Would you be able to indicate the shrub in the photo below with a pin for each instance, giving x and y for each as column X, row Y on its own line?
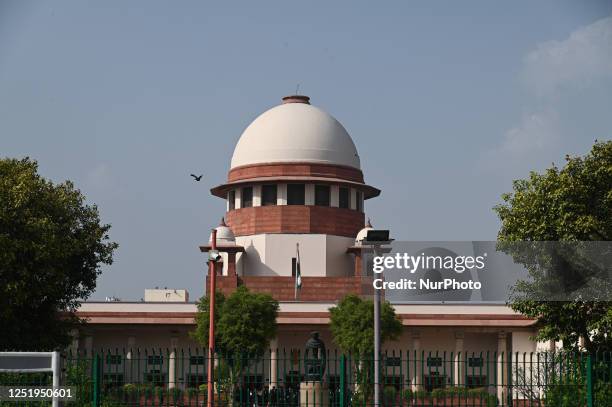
column 389, row 395
column 175, row 394
column 192, row 392
column 421, row 395
column 458, row 391
column 439, row 394
column 130, row 388
column 407, row 394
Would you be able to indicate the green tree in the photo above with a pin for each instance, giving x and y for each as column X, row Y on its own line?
column 352, row 324
column 245, row 322
column 573, row 203
column 52, row 246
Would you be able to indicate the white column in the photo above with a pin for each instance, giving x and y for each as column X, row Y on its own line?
column 131, row 342
column 353, row 199
column 459, row 363
column 502, row 360
column 334, row 199
column 89, row 345
column 281, row 197
column 310, row 194
column 74, row 344
column 416, row 354
column 238, row 201
column 273, row 363
column 256, row 195
column 172, row 363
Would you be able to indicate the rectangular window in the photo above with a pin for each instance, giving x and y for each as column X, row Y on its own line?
column 268, row 195
column 155, row 359
column 296, row 194
column 196, row 360
column 343, row 198
column 113, row 359
column 434, row 361
column 156, row 378
column 322, row 195
column 231, row 199
column 247, row 197
column 359, row 203
column 475, row 381
column 392, row 361
column 475, row 362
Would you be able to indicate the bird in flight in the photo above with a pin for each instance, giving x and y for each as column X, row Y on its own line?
column 196, row 177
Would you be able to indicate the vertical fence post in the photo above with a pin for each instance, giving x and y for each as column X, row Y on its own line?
column 589, row 381
column 96, row 381
column 342, row 389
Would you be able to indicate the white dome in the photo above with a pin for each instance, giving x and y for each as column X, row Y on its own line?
column 295, row 132
column 225, row 235
column 363, row 233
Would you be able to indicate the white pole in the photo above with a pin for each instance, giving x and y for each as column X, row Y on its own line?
column 55, row 365
column 376, row 347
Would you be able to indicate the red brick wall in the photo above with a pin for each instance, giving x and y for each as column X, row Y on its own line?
column 282, row 288
column 295, row 169
column 295, row 219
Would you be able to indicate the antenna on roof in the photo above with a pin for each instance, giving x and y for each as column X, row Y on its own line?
column 297, row 89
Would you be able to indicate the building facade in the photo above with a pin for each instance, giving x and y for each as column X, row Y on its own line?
column 295, row 184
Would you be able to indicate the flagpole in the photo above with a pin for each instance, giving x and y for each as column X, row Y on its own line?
column 297, row 268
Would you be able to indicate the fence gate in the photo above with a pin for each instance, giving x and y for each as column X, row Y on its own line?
column 32, row 362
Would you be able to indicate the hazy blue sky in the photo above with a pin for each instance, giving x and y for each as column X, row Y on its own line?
column 447, row 102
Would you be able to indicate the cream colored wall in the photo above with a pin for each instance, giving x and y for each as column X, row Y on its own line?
column 339, row 263
column 271, row 254
column 434, row 341
column 166, row 295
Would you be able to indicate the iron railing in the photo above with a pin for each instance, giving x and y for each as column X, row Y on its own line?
column 178, row 377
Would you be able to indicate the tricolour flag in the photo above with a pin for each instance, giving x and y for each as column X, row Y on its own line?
column 298, row 274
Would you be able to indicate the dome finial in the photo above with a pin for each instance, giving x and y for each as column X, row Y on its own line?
column 222, row 221
column 368, row 224
column 296, row 99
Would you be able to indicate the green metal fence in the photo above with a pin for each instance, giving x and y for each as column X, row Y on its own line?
column 178, row 377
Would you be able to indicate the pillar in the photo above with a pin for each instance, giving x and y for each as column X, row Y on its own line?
column 74, row 344
column 238, row 199
column 358, row 264
column 172, row 363
column 231, row 264
column 88, row 345
column 459, row 363
column 334, row 199
column 274, row 363
column 502, row 366
column 309, row 194
column 256, row 195
column 281, row 197
column 418, row 357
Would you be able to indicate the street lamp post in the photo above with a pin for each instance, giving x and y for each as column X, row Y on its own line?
column 211, row 312
column 377, row 238
column 376, row 347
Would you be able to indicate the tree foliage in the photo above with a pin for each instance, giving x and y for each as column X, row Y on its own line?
column 52, row 246
column 573, row 203
column 352, row 324
column 245, row 322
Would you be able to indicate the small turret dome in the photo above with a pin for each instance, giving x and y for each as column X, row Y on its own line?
column 363, row 233
column 225, row 235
